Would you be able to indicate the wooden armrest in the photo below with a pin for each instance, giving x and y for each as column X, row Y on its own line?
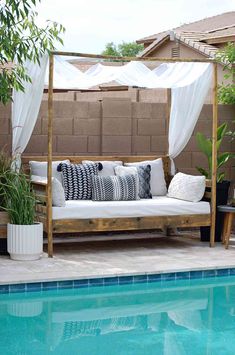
column 39, row 183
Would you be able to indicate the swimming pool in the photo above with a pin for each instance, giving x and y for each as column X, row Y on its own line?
column 188, row 316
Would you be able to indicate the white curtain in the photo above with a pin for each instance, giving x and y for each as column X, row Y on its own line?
column 190, row 83
column 186, row 105
column 25, row 108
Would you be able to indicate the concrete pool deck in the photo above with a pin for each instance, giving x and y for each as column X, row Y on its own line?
column 149, row 253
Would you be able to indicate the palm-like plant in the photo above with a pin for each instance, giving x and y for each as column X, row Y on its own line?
column 205, row 145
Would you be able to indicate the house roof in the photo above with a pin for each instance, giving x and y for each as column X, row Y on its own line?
column 199, row 37
column 206, row 25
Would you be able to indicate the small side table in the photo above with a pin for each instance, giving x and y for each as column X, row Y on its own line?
column 229, row 213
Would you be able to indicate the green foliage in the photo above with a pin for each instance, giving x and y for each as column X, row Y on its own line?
column 124, row 49
column 205, row 145
column 18, row 198
column 226, row 92
column 5, row 165
column 20, row 39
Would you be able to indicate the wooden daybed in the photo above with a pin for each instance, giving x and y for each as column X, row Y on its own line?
column 73, row 225
column 44, row 191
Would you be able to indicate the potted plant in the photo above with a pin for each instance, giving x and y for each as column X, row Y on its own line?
column 24, row 235
column 222, row 186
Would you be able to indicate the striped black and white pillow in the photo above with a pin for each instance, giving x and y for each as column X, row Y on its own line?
column 77, row 179
column 115, row 188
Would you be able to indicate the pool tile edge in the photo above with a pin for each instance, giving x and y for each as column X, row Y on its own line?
column 108, row 280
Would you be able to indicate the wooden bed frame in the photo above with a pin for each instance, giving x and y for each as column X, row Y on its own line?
column 109, row 224
column 44, row 191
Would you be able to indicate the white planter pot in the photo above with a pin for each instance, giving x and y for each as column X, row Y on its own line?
column 23, row 309
column 25, row 242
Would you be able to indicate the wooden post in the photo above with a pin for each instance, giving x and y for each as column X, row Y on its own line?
column 168, row 109
column 49, row 158
column 214, row 156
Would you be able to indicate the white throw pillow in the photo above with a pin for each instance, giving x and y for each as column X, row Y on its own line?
column 58, row 197
column 108, row 166
column 187, row 187
column 157, row 181
column 125, row 170
column 39, row 168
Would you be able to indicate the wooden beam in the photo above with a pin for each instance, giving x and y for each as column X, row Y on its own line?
column 49, row 158
column 128, row 59
column 132, row 223
column 214, row 156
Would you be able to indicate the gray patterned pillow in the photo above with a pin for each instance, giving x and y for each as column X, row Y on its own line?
column 115, row 188
column 77, row 179
column 144, row 174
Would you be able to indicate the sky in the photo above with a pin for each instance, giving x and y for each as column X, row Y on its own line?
column 90, row 24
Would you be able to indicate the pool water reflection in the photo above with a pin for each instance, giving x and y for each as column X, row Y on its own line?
column 172, row 318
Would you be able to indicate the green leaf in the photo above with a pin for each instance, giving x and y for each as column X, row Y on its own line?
column 222, row 159
column 220, row 177
column 221, row 131
column 203, row 171
column 204, row 144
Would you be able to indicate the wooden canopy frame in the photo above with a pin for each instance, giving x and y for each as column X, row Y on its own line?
column 127, row 59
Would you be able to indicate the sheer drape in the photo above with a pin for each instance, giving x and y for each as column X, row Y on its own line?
column 190, row 83
column 25, row 108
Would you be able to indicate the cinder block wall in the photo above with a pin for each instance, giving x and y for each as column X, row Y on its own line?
column 115, row 126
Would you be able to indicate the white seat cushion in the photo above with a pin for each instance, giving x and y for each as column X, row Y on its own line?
column 158, row 206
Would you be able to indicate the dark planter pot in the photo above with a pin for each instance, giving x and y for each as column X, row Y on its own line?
column 222, row 189
column 3, row 246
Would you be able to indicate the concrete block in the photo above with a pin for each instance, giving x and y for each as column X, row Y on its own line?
column 117, row 144
column 141, row 110
column 60, row 126
column 5, row 110
column 159, row 111
column 227, row 145
column 94, row 144
column 199, row 159
column 117, row 126
column 72, row 144
column 64, row 109
column 38, row 127
column 204, row 126
column 94, row 109
column 43, row 111
column 226, row 112
column 190, row 171
column 159, row 144
column 192, row 145
column 206, row 113
column 184, row 160
column 87, row 127
column 5, row 142
column 5, row 125
column 151, row 127
column 116, row 107
column 38, row 145
column 141, row 144
column 134, row 127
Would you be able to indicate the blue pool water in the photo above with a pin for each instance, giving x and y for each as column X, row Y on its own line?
column 179, row 317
